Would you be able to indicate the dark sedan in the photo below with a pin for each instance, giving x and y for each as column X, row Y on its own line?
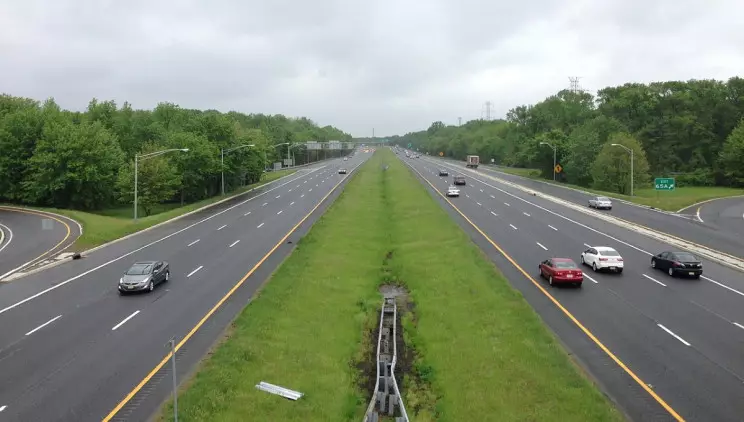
column 342, row 171
column 443, row 172
column 144, row 276
column 678, row 263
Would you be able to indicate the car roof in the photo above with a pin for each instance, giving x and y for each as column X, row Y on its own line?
column 562, row 259
column 604, row 248
column 144, row 263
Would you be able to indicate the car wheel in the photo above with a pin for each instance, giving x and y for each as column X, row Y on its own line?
column 696, row 277
column 653, row 263
column 151, row 285
column 619, row 270
column 167, row 276
column 594, row 266
column 582, row 260
column 550, row 280
column 121, row 293
column 671, row 272
column 579, row 285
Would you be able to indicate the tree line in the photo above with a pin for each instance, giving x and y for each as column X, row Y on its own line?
column 693, row 131
column 85, row 160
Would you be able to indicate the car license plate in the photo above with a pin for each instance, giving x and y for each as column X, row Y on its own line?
column 691, row 273
column 613, row 268
column 570, row 276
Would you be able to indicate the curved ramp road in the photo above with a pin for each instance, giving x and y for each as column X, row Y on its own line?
column 684, row 225
column 663, row 348
column 73, row 349
column 724, row 214
column 31, row 236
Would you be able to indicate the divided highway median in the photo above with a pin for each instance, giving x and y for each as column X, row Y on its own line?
column 472, row 347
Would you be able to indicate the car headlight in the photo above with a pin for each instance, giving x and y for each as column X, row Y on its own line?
column 144, row 280
column 121, row 280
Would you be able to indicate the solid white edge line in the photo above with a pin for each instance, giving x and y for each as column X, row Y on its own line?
column 234, row 243
column 654, row 280
column 280, row 211
column 671, row 333
column 552, row 227
column 124, row 321
column 595, row 281
column 512, row 226
column 540, row 245
column 10, row 238
column 193, row 243
column 597, row 231
column 43, row 325
column 222, row 227
column 259, row 226
column 194, row 272
column 739, row 325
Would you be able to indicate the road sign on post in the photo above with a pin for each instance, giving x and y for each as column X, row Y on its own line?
column 664, row 183
column 558, row 168
column 441, row 154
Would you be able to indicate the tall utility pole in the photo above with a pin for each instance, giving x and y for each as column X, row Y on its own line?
column 373, row 133
column 459, row 121
column 487, row 110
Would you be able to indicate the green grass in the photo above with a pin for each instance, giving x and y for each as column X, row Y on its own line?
column 483, row 353
column 107, row 225
column 669, row 201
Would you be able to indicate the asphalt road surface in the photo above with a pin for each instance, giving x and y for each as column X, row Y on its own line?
column 682, row 339
column 725, row 215
column 684, row 225
column 30, row 236
column 72, row 348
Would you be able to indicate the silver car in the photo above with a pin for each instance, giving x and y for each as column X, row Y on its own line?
column 144, row 276
column 600, row 202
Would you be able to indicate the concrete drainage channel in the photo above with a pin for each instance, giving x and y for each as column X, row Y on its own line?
column 387, row 402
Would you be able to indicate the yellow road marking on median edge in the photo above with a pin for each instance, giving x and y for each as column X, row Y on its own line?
column 555, row 301
column 214, row 309
column 67, row 226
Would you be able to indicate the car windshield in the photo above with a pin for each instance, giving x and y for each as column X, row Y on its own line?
column 603, row 198
column 139, row 269
column 684, row 256
column 565, row 264
column 608, row 252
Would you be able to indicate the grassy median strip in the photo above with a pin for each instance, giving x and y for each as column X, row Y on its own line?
column 108, row 225
column 482, row 353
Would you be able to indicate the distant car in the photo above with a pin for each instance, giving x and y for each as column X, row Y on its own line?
column 346, row 158
column 678, row 263
column 600, row 202
column 443, row 172
column 602, row 258
column 453, row 191
column 561, row 270
column 459, row 180
column 144, row 276
column 342, row 171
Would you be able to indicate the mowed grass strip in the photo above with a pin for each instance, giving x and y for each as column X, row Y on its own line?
column 111, row 224
column 492, row 357
column 305, row 327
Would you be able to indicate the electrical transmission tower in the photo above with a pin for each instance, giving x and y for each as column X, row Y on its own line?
column 487, row 109
column 459, row 121
column 575, row 87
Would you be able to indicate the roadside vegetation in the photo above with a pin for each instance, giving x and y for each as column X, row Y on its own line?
column 691, row 130
column 475, row 348
column 675, row 200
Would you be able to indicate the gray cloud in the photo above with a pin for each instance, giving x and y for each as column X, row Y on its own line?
column 392, row 65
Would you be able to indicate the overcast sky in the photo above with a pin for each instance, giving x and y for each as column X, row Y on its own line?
column 395, row 66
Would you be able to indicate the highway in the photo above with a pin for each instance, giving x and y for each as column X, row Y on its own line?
column 683, row 225
column 681, row 339
column 30, row 236
column 724, row 214
column 73, row 349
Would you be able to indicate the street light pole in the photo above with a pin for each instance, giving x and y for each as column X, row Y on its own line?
column 554, row 156
column 136, row 169
column 630, row 150
column 222, row 162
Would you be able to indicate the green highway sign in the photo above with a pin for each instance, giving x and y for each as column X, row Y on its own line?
column 409, row 144
column 664, row 183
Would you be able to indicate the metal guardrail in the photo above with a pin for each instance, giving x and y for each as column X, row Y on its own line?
column 386, row 400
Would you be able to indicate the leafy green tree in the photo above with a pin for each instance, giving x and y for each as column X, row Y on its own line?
column 198, row 168
column 732, row 156
column 158, row 180
column 585, row 143
column 611, row 168
column 73, row 166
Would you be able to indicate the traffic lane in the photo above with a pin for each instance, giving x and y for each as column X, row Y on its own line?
column 726, row 214
column 32, row 239
column 685, row 228
column 611, row 318
column 187, row 226
column 671, row 368
column 181, row 252
column 714, row 272
column 718, row 338
column 171, row 314
column 718, row 290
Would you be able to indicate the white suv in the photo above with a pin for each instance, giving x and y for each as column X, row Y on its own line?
column 602, row 258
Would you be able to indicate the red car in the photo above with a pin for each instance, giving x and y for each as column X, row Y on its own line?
column 561, row 270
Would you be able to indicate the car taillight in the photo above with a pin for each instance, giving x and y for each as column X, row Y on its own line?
column 619, row 259
column 603, row 259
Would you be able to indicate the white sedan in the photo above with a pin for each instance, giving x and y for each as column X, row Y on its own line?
column 453, row 191
column 602, row 258
column 600, row 202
